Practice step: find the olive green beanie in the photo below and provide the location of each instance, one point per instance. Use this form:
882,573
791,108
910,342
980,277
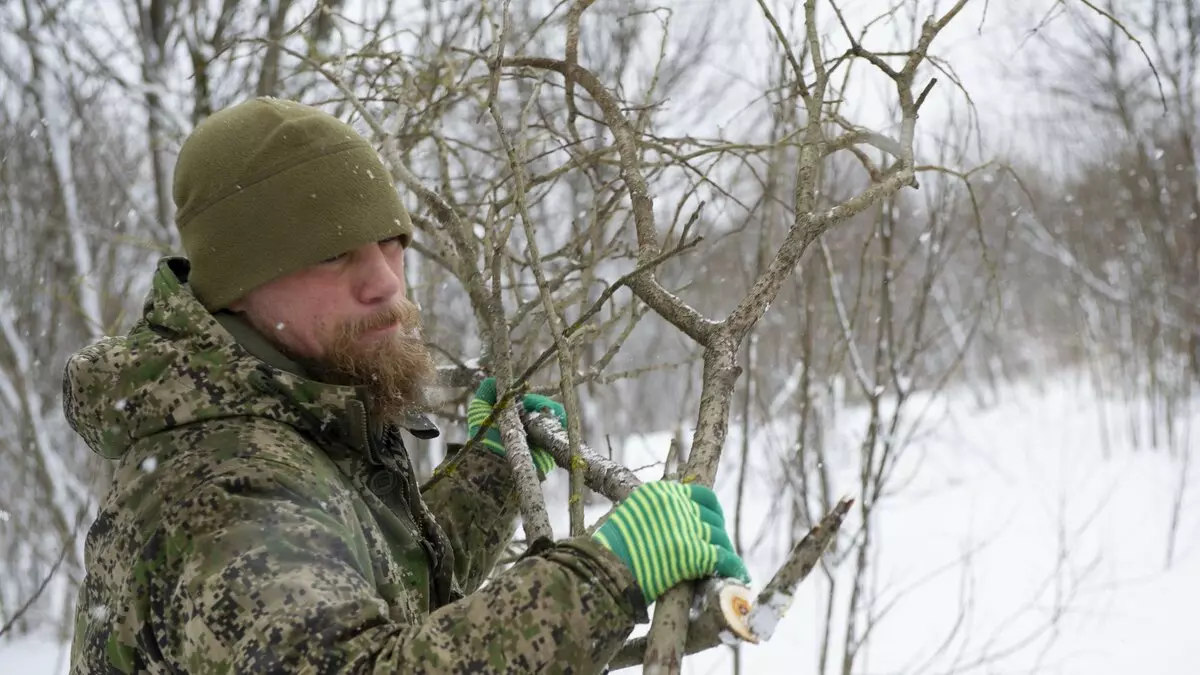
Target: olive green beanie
268,187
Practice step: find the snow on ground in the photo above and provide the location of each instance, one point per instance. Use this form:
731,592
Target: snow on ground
34,656
1008,543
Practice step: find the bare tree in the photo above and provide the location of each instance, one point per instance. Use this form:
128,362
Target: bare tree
57,191
584,229
1126,235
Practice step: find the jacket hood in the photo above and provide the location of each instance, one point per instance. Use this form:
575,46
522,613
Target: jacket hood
180,365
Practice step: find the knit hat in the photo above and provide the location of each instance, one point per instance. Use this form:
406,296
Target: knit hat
268,187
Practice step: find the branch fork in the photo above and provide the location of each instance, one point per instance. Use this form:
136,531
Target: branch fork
723,611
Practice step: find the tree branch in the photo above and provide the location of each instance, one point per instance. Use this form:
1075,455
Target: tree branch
601,474
566,358
669,306
533,503
714,625
775,598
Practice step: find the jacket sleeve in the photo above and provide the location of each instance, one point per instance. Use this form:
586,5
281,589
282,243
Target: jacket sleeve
474,499
259,573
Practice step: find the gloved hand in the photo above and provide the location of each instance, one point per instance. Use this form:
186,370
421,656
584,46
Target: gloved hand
667,532
481,407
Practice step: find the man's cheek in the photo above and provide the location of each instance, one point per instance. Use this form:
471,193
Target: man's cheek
308,339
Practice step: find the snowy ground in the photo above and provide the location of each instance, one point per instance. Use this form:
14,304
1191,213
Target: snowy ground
1009,544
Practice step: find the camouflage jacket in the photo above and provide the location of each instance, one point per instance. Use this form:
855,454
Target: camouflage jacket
259,521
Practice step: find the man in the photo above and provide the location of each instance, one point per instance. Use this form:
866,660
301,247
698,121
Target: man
264,515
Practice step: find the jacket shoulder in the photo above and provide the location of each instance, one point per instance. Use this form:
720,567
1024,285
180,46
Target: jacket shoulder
245,455
229,448
155,504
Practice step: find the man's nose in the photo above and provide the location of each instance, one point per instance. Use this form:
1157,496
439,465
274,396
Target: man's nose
378,283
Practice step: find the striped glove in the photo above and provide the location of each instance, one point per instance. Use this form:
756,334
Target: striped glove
668,532
481,407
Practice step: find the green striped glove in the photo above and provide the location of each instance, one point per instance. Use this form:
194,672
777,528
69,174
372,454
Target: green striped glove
668,532
481,407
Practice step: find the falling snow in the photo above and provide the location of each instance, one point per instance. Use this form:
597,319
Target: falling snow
1082,269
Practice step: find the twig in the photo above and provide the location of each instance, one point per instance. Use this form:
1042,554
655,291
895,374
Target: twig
1162,95
775,598
494,65
572,57
925,92
70,542
670,307
787,50
566,358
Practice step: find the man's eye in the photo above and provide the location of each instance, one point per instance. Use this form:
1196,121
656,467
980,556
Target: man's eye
333,259
398,239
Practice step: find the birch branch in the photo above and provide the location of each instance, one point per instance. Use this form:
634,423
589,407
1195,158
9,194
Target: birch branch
459,377
506,412
871,138
535,519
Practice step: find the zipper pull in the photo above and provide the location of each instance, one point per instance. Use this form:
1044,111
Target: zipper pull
360,433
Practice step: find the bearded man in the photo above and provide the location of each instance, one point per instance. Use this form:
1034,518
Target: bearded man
264,515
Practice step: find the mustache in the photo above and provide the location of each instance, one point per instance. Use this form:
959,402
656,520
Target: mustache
404,313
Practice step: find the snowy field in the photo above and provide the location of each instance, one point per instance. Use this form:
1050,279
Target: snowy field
1008,544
